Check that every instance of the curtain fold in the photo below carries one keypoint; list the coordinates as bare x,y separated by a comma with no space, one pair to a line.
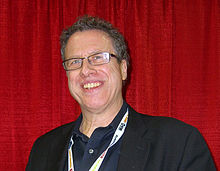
175,61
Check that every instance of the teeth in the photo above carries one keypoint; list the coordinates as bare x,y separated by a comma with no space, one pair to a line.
91,85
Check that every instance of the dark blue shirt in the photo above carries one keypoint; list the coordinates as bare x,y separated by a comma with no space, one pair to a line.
87,150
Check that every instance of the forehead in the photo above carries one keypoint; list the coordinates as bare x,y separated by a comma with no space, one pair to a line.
86,42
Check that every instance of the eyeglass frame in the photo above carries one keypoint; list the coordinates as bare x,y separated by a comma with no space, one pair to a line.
110,55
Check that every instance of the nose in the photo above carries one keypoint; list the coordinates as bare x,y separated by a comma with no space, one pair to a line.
86,69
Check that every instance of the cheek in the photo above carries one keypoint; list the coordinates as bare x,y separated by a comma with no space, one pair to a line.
115,74
71,80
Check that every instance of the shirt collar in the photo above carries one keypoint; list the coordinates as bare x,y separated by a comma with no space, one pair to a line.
119,116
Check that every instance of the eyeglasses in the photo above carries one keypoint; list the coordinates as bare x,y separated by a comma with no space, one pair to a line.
94,59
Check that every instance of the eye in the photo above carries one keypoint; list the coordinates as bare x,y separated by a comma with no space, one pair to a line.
74,62
97,57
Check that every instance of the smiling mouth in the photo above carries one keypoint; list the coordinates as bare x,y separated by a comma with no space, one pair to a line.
91,85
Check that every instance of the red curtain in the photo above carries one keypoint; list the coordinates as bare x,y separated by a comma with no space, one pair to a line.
175,52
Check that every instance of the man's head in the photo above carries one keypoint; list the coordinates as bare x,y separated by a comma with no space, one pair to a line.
94,23
95,81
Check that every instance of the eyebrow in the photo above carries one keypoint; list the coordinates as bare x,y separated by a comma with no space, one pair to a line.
89,54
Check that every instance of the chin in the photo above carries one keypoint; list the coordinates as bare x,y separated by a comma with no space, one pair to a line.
92,105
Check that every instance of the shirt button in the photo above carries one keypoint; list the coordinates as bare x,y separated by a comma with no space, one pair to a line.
91,151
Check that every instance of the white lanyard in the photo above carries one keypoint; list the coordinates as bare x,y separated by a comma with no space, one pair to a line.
96,165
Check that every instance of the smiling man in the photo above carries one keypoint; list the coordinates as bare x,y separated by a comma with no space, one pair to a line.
109,135
95,77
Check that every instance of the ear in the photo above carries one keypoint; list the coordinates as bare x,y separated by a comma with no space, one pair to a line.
123,68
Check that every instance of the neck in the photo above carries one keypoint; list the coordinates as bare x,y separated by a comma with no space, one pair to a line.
93,120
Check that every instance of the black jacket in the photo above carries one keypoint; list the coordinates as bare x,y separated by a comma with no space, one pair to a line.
149,144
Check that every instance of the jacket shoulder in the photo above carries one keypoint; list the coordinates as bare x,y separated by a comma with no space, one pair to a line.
162,125
50,145
61,131
168,139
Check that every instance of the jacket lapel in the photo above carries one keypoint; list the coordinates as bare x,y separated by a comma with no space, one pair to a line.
62,163
135,145
58,150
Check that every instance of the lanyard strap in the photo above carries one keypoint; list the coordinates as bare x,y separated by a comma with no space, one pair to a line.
96,165
70,156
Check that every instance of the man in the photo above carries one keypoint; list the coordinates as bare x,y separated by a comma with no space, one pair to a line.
109,135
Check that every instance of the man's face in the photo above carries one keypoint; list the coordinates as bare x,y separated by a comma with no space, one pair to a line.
104,81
